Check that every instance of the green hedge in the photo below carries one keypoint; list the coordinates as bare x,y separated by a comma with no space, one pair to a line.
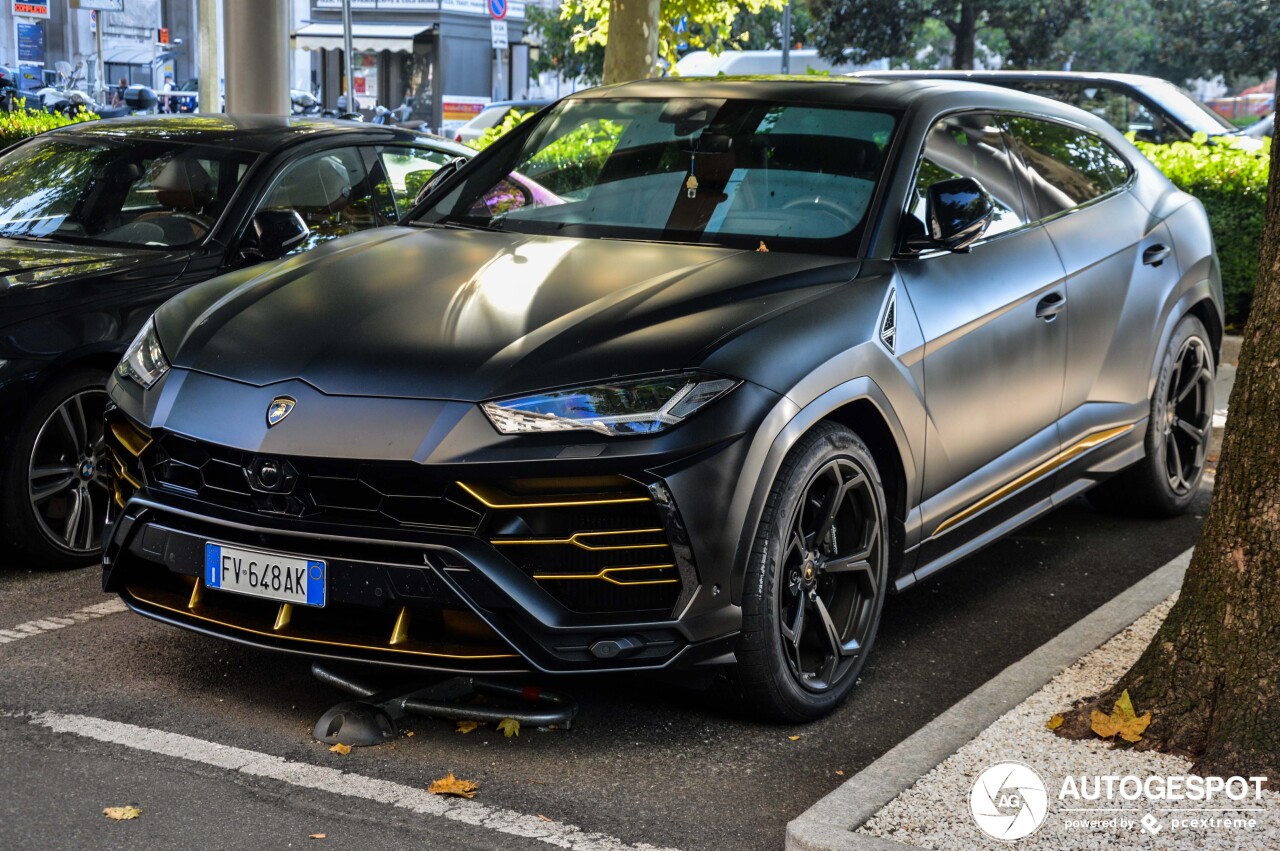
1232,185
21,124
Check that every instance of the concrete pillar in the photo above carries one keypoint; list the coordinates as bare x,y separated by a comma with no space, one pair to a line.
256,41
207,52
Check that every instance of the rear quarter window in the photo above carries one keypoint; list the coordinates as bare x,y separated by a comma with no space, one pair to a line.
1065,166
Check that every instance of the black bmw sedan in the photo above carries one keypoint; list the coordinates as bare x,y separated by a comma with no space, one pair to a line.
681,374
101,222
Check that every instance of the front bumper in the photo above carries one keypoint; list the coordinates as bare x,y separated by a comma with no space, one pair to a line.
574,573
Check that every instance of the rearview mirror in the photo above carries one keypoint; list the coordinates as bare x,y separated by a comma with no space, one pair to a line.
277,233
958,212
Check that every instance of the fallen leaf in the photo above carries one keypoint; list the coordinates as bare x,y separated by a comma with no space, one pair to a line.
125,813
318,836
450,785
409,733
1055,722
1122,721
467,726
341,748
841,773
544,818
793,738
509,727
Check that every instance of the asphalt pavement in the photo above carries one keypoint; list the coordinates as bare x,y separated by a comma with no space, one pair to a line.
645,762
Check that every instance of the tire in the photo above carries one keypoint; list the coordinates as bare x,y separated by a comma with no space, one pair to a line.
57,480
796,575
1166,480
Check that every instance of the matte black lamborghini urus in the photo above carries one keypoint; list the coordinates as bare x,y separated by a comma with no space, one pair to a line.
678,374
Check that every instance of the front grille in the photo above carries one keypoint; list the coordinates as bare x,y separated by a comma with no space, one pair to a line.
360,493
596,545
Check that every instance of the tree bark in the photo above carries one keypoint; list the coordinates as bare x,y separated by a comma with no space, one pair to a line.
1211,675
965,31
632,50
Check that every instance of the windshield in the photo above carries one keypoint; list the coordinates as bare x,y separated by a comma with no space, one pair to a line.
721,171
104,192
1183,106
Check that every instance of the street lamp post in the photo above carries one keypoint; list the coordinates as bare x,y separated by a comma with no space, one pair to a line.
348,58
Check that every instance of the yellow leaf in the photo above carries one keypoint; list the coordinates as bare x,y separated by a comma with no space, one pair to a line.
125,813
544,818
1055,722
409,733
467,726
318,836
841,773
509,727
1123,721
341,748
793,738
450,785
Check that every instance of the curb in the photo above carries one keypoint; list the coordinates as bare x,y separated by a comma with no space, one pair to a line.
829,824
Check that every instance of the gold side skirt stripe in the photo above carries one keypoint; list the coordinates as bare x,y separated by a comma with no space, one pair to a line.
605,575
576,540
1059,460
491,498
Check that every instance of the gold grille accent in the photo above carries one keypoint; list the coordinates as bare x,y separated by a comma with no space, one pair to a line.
576,540
605,575
493,498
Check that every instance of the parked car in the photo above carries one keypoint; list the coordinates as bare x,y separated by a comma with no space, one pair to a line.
493,115
764,352
1264,127
101,222
1154,110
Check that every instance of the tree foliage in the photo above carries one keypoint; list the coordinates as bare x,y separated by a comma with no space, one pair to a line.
682,24
557,50
867,30
1230,37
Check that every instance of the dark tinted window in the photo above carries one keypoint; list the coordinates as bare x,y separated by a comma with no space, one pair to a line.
1065,167
970,144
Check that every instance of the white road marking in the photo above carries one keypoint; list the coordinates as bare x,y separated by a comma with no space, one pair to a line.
332,780
43,625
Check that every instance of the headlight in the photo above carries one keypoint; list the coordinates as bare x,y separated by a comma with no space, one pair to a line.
642,406
144,360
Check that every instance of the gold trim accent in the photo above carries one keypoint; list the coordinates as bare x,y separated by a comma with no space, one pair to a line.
400,632
123,472
1059,460
134,592
117,494
496,500
197,593
574,540
130,438
283,616
604,575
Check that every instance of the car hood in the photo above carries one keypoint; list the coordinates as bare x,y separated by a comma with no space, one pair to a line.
472,315
30,264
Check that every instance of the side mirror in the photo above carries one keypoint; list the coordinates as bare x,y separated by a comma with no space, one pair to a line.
441,175
958,212
277,233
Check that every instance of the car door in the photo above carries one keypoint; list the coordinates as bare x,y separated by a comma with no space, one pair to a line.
1114,254
994,348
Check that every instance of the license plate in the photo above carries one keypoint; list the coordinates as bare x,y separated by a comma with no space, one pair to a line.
276,577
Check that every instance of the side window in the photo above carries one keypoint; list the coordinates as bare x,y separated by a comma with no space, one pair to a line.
970,144
331,190
408,170
1065,167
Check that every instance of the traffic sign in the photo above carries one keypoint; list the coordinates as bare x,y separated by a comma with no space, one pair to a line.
498,9
498,32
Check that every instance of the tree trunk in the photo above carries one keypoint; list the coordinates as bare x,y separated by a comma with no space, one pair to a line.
965,31
1211,675
632,50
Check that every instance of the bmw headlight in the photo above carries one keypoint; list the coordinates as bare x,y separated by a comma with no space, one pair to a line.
144,360
640,406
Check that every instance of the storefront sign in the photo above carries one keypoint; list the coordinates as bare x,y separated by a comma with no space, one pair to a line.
30,44
31,10
460,109
99,5
515,8
384,5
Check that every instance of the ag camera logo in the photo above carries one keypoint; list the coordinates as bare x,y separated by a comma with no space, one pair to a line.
1009,801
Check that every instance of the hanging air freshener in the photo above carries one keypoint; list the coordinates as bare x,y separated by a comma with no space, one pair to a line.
691,186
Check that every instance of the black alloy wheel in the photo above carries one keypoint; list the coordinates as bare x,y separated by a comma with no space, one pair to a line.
59,481
1179,432
817,579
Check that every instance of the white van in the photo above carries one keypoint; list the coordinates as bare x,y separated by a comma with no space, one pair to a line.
734,63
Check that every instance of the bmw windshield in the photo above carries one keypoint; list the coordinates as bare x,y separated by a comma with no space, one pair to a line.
730,172
144,193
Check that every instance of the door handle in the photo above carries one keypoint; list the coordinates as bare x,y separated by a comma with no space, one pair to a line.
1155,255
1050,306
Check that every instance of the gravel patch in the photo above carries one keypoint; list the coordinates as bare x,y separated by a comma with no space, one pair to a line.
935,813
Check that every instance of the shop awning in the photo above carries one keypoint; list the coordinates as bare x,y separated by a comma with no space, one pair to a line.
398,38
128,54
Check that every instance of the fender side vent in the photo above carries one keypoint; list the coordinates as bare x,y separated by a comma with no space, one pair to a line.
889,325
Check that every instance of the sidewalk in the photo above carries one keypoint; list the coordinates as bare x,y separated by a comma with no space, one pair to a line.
917,794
